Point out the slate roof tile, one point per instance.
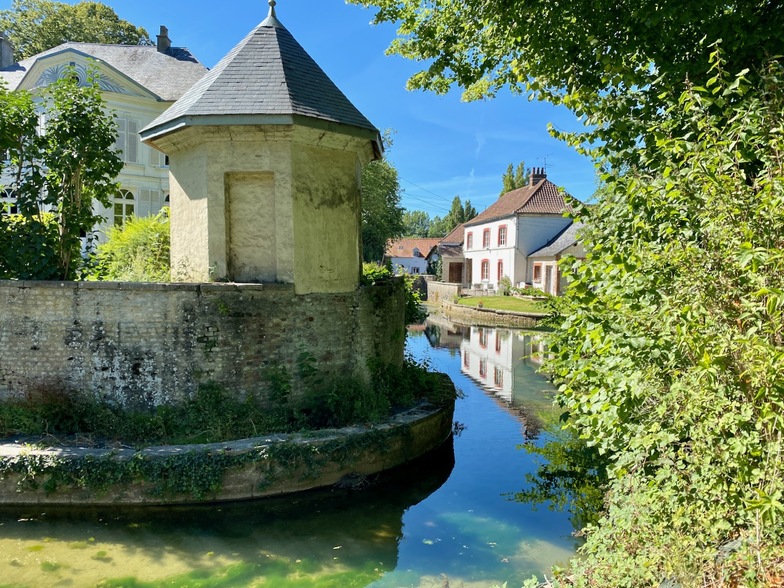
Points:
(267, 73)
(560, 242)
(167, 75)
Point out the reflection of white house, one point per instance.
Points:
(138, 83)
(410, 256)
(515, 237)
(500, 359)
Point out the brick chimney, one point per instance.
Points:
(537, 175)
(6, 52)
(164, 42)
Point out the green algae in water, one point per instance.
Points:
(275, 574)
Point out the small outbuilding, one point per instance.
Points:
(266, 155)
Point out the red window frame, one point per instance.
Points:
(537, 272)
(466, 359)
(486, 238)
(498, 377)
(502, 233)
(500, 269)
(497, 342)
(469, 240)
(483, 338)
(485, 269)
(483, 368)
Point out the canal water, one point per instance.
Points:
(448, 520)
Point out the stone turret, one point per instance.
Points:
(265, 158)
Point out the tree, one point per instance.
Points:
(416, 223)
(515, 178)
(65, 168)
(34, 26)
(672, 373)
(609, 61)
(382, 216)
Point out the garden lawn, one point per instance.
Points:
(504, 303)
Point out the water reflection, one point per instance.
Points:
(447, 520)
(502, 362)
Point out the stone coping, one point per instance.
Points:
(146, 286)
(261, 466)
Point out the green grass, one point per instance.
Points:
(504, 303)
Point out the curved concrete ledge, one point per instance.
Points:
(230, 471)
(487, 317)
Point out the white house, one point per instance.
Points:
(138, 83)
(410, 256)
(499, 241)
(545, 273)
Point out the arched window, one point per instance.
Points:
(486, 238)
(124, 206)
(8, 202)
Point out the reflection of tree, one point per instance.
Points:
(572, 475)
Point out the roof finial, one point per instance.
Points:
(272, 4)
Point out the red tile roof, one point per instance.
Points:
(544, 197)
(405, 247)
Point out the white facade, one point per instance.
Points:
(501, 247)
(409, 265)
(501, 361)
(144, 179)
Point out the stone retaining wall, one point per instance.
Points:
(144, 345)
(489, 318)
(438, 291)
(236, 470)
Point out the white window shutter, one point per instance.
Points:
(133, 141)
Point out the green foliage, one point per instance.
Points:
(34, 26)
(515, 177)
(382, 216)
(66, 168)
(669, 353)
(416, 224)
(373, 273)
(137, 251)
(674, 373)
(28, 247)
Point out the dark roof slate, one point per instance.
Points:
(267, 73)
(544, 197)
(167, 75)
(560, 242)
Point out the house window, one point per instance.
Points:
(482, 368)
(8, 202)
(485, 269)
(537, 272)
(124, 206)
(498, 377)
(128, 139)
(483, 338)
(469, 240)
(486, 238)
(466, 360)
(502, 235)
(497, 342)
(500, 270)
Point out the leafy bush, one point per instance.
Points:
(137, 251)
(670, 353)
(373, 273)
(28, 247)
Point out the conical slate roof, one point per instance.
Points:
(267, 78)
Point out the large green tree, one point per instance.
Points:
(382, 215)
(668, 347)
(60, 170)
(34, 26)
(416, 223)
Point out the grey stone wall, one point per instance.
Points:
(438, 291)
(143, 345)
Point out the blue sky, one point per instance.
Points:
(443, 147)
